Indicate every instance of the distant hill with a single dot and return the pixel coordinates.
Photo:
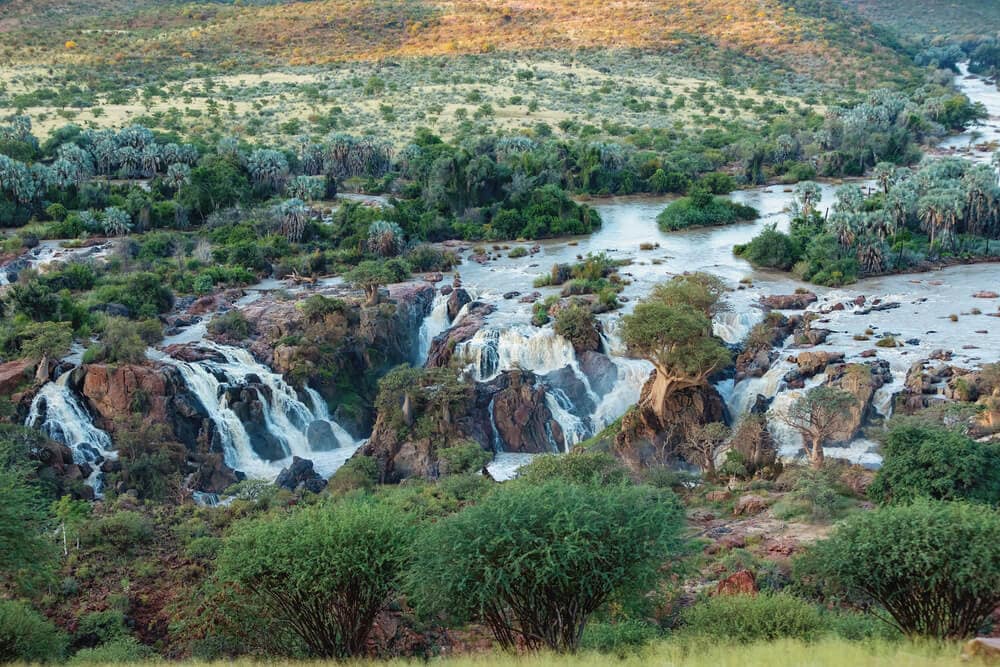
(259, 32)
(932, 18)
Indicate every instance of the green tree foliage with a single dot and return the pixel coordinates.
(28, 637)
(770, 249)
(935, 462)
(534, 562)
(577, 467)
(672, 328)
(326, 571)
(577, 324)
(467, 457)
(372, 274)
(933, 567)
(701, 209)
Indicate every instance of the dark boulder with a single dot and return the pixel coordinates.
(300, 475)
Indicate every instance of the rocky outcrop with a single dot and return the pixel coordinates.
(860, 381)
(651, 436)
(521, 417)
(601, 372)
(300, 475)
(444, 344)
(742, 582)
(749, 505)
(799, 301)
(509, 413)
(811, 363)
(13, 374)
(456, 301)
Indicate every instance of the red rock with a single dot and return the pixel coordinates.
(789, 301)
(749, 504)
(986, 294)
(982, 647)
(718, 496)
(781, 548)
(12, 374)
(740, 583)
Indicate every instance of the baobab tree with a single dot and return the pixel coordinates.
(672, 328)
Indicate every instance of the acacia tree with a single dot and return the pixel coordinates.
(324, 571)
(817, 415)
(534, 562)
(672, 328)
(369, 276)
(703, 444)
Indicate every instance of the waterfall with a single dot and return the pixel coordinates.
(574, 428)
(492, 350)
(435, 323)
(57, 412)
(287, 421)
(733, 327)
(632, 375)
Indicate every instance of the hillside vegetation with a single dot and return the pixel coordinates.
(323, 31)
(932, 18)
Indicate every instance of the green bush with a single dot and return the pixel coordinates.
(770, 249)
(577, 324)
(325, 571)
(932, 566)
(936, 462)
(463, 458)
(27, 636)
(122, 651)
(232, 324)
(620, 639)
(101, 627)
(746, 619)
(122, 531)
(576, 546)
(702, 209)
(577, 467)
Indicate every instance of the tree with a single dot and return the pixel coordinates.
(933, 567)
(703, 444)
(294, 215)
(116, 221)
(28, 637)
(935, 462)
(817, 415)
(534, 562)
(325, 571)
(385, 239)
(25, 554)
(71, 514)
(673, 330)
(807, 196)
(369, 276)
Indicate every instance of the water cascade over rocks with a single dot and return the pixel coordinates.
(259, 419)
(59, 413)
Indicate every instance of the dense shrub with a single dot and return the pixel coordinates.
(232, 324)
(463, 458)
(577, 324)
(770, 249)
(577, 467)
(746, 619)
(26, 636)
(702, 209)
(932, 566)
(620, 639)
(122, 531)
(936, 462)
(610, 538)
(121, 651)
(326, 571)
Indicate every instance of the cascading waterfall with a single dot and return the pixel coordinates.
(287, 420)
(492, 350)
(733, 327)
(57, 412)
(435, 323)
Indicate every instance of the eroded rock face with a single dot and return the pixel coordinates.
(300, 475)
(509, 412)
(789, 301)
(651, 436)
(523, 420)
(13, 374)
(443, 345)
(811, 363)
(456, 300)
(861, 381)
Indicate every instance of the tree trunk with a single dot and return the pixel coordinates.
(815, 451)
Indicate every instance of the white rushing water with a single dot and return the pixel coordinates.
(298, 429)
(57, 412)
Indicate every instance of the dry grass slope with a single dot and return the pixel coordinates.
(933, 18)
(321, 31)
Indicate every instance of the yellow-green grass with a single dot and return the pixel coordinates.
(784, 653)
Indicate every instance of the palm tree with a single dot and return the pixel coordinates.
(982, 195)
(806, 197)
(116, 221)
(268, 167)
(178, 175)
(885, 173)
(940, 211)
(294, 214)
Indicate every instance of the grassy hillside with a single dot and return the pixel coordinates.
(323, 31)
(933, 18)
